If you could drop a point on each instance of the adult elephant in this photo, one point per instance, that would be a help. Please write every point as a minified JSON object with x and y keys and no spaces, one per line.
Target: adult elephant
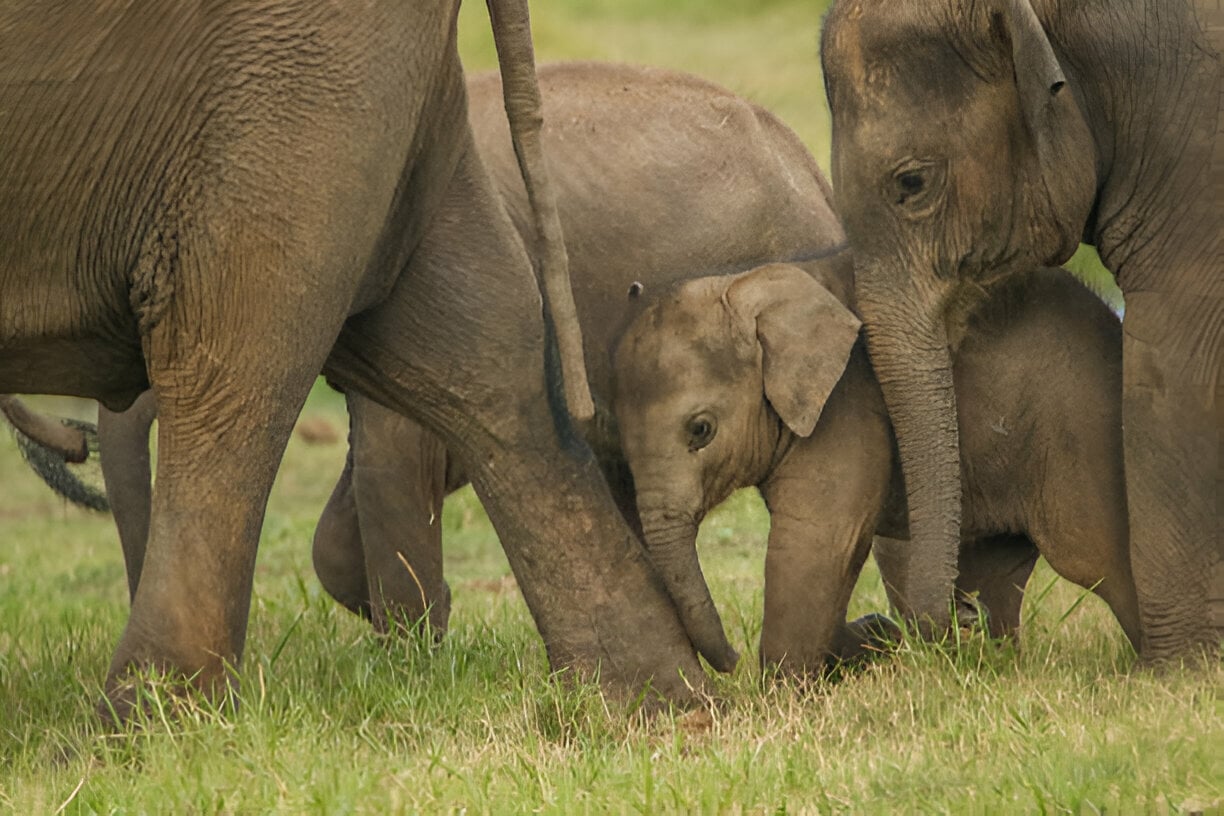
{"x":217,"y":201}
{"x":661,"y":177}
{"x":974,"y":139}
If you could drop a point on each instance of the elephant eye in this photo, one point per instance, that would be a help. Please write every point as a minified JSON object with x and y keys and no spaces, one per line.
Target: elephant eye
{"x":915,"y":186}
{"x":700,"y":430}
{"x":911,"y":183}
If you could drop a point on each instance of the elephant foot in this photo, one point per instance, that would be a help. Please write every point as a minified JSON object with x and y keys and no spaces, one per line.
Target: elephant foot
{"x":142,"y":694}
{"x":862,"y":640}
{"x":1206,"y":656}
{"x":412,"y":620}
{"x":971,"y":614}
{"x":856,"y":645}
{"x":648,"y":681}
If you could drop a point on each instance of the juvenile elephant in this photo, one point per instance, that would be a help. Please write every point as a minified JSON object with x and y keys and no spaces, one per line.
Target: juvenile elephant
{"x":760,"y":379}
{"x":660,"y":177}
{"x":1032,"y":125}
{"x":217,"y":201}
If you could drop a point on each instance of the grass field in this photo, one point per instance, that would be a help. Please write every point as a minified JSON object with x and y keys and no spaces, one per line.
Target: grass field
{"x":336,"y":720}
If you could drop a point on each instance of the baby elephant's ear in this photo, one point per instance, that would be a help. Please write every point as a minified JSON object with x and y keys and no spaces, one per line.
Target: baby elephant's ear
{"x":806,"y":336}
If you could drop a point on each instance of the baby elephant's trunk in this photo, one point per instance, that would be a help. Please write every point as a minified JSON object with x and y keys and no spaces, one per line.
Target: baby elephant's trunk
{"x":672,"y":545}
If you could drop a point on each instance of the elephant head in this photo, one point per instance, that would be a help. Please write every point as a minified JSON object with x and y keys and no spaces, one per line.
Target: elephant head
{"x":959,"y":154}
{"x":712,"y":382}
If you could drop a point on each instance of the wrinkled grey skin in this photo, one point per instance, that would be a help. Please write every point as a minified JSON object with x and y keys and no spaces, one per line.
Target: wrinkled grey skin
{"x":1028,"y":128}
{"x":660,"y":177}
{"x":759,"y":379}
{"x":218,"y":202}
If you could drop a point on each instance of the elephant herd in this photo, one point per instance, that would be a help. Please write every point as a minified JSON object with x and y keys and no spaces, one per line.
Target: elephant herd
{"x":202,"y":209}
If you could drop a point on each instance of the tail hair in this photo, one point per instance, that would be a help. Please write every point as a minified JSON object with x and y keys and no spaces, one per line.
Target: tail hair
{"x":65,"y":479}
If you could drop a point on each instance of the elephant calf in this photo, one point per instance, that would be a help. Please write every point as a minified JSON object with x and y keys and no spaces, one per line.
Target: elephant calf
{"x":760,"y":379}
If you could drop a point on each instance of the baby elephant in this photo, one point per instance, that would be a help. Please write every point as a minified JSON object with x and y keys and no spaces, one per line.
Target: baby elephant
{"x":760,"y":379}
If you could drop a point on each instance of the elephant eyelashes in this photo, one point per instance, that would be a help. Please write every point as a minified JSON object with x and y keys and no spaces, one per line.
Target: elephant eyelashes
{"x":700,"y":430}
{"x":915,"y":185}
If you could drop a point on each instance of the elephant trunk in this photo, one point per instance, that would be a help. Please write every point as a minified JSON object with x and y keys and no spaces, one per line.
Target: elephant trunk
{"x":672,"y":545}
{"x":914,"y":367}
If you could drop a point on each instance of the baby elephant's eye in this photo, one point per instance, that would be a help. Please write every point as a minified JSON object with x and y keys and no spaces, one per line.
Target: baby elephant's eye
{"x":700,"y":429}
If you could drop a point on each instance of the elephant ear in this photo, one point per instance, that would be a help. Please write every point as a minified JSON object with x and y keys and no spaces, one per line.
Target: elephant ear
{"x":1059,"y":134}
{"x":805,"y":333}
{"x":1039,"y":77}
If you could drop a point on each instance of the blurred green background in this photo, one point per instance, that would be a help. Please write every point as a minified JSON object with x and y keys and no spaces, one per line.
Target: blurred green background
{"x":765,"y":50}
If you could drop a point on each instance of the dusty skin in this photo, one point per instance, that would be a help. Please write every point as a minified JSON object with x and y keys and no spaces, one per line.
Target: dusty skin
{"x":187,"y":277}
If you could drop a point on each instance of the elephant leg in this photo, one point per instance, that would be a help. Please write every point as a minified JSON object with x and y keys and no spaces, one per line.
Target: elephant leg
{"x":824,"y":504}
{"x":123,"y":444}
{"x":230,"y":375}
{"x":996,"y":569}
{"x":339,"y":561}
{"x":460,"y":345}
{"x":1094,"y":554}
{"x":1173,"y":418}
{"x":810,"y":570}
{"x":399,"y":480}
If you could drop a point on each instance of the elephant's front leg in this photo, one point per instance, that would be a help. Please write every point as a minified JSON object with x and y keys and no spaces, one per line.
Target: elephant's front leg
{"x":824,"y":502}
{"x":460,"y":344}
{"x":810,"y":570}
{"x":1173,"y":433}
{"x":399,"y":481}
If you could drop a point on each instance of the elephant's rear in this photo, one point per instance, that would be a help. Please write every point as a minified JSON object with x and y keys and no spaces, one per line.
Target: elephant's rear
{"x":144,"y":143}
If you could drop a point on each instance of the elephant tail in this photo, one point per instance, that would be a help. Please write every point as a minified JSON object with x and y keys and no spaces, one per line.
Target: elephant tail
{"x":78,"y":483}
{"x":521,"y":93}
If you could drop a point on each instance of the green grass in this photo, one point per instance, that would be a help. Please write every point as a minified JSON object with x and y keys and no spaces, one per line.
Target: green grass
{"x":336,"y":720}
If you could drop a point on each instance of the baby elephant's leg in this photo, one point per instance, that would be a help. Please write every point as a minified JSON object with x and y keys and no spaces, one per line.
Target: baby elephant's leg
{"x":399,"y":481}
{"x":339,"y":561}
{"x":996,"y":569}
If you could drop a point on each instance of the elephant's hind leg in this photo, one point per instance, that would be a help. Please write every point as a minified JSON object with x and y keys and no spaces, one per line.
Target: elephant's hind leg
{"x":336,"y":550}
{"x":230,"y":370}
{"x":1173,"y":438}
{"x":399,"y":481}
{"x":996,"y":569}
{"x":1096,"y":557}
{"x":123,"y":444}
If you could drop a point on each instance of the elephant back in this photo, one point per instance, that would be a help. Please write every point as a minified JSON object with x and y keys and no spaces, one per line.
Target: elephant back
{"x":661,"y":177}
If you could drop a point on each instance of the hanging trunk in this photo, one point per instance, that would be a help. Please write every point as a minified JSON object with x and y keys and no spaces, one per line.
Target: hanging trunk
{"x":672,"y":545}
{"x":914,"y":367}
